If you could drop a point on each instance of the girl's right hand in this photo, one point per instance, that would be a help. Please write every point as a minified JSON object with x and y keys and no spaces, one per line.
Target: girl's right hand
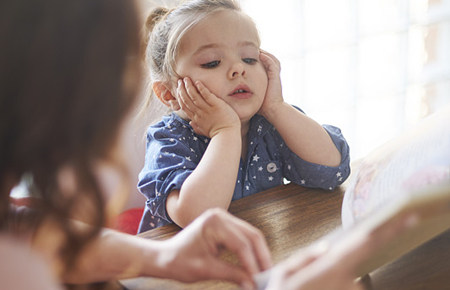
{"x":209,"y":114}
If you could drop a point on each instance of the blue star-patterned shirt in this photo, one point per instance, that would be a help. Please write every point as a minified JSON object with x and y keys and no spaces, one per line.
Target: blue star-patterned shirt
{"x":174,"y":150}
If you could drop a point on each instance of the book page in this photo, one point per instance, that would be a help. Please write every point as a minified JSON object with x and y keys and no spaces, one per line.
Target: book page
{"x":415,"y":160}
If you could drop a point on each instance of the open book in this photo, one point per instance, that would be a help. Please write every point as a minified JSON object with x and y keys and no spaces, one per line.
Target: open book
{"x":410,"y":174}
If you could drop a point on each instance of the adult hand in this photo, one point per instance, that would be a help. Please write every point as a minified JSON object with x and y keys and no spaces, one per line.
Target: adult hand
{"x":194,"y":253}
{"x":208,"y":113}
{"x":336,"y":267}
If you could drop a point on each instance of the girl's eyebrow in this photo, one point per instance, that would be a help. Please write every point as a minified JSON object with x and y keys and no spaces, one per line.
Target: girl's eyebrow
{"x":205,"y":47}
{"x":218,"y":45}
{"x":248,"y":43}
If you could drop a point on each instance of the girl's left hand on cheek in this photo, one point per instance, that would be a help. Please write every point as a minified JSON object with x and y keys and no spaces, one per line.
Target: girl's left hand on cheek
{"x":274,"y":95}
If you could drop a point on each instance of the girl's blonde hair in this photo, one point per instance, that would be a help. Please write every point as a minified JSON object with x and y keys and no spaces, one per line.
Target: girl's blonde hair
{"x":164,"y":28}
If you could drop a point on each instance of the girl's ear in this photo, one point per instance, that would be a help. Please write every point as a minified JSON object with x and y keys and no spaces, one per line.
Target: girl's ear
{"x":164,"y":94}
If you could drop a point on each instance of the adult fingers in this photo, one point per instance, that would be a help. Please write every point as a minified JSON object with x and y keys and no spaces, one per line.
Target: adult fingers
{"x":320,"y":274}
{"x":249,"y":244}
{"x":258,"y":247}
{"x":221,"y":270}
{"x":341,"y":261}
{"x":291,"y":274}
{"x":300,"y":259}
{"x":257,"y":241}
{"x":236,"y":242}
{"x":362,"y":244}
{"x":241,"y":238}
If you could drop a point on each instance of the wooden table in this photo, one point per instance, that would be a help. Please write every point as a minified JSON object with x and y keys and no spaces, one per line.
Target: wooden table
{"x":291,"y":217}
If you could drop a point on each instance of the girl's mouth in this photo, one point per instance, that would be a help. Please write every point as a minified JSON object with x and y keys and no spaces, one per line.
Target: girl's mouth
{"x":241,"y":92}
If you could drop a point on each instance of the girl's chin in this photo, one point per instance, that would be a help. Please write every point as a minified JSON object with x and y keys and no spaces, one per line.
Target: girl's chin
{"x":246,"y":117}
{"x":182,"y":115}
{"x":246,"y":114}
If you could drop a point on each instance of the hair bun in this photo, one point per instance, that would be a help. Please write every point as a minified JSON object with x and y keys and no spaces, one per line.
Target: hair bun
{"x":154,"y":17}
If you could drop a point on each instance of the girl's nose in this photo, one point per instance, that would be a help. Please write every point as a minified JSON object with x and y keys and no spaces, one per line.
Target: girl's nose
{"x":236,"y":70}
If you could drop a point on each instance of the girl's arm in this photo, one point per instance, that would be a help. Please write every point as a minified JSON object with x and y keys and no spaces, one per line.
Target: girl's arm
{"x":212,"y":182}
{"x":312,"y":142}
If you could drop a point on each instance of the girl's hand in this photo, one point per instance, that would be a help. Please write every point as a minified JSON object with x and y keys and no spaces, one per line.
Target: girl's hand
{"x":208,"y":113}
{"x":194,"y":254}
{"x":274,"y":96}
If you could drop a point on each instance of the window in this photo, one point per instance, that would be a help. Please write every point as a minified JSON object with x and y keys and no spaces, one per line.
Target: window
{"x":372,"y":68}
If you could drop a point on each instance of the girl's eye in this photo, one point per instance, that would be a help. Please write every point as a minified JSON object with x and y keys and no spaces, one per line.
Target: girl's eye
{"x":211,"y":64}
{"x":249,"y":60}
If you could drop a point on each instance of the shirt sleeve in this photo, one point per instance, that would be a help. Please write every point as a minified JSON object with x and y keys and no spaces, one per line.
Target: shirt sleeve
{"x":168,"y":162}
{"x":315,"y":175}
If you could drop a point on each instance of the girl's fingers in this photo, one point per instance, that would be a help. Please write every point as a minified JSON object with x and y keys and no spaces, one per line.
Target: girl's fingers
{"x":271,"y":66}
{"x":267,"y":53}
{"x":207,"y":95}
{"x":185,"y":102}
{"x":265,"y":60}
{"x":196,"y":97}
{"x":269,"y":58}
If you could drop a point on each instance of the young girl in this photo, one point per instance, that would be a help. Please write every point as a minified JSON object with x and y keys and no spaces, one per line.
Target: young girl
{"x":231,"y":133}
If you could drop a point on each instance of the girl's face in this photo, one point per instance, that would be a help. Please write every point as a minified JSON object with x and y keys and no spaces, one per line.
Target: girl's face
{"x":222,"y":51}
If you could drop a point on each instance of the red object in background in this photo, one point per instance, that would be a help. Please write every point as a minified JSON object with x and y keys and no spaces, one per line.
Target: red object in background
{"x":24,"y":201}
{"x":128,"y":221}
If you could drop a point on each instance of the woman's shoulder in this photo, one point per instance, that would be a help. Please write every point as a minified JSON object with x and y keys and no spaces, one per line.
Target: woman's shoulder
{"x":22,"y":268}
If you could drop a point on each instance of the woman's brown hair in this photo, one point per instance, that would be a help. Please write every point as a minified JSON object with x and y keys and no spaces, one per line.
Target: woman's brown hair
{"x":67,"y":79}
